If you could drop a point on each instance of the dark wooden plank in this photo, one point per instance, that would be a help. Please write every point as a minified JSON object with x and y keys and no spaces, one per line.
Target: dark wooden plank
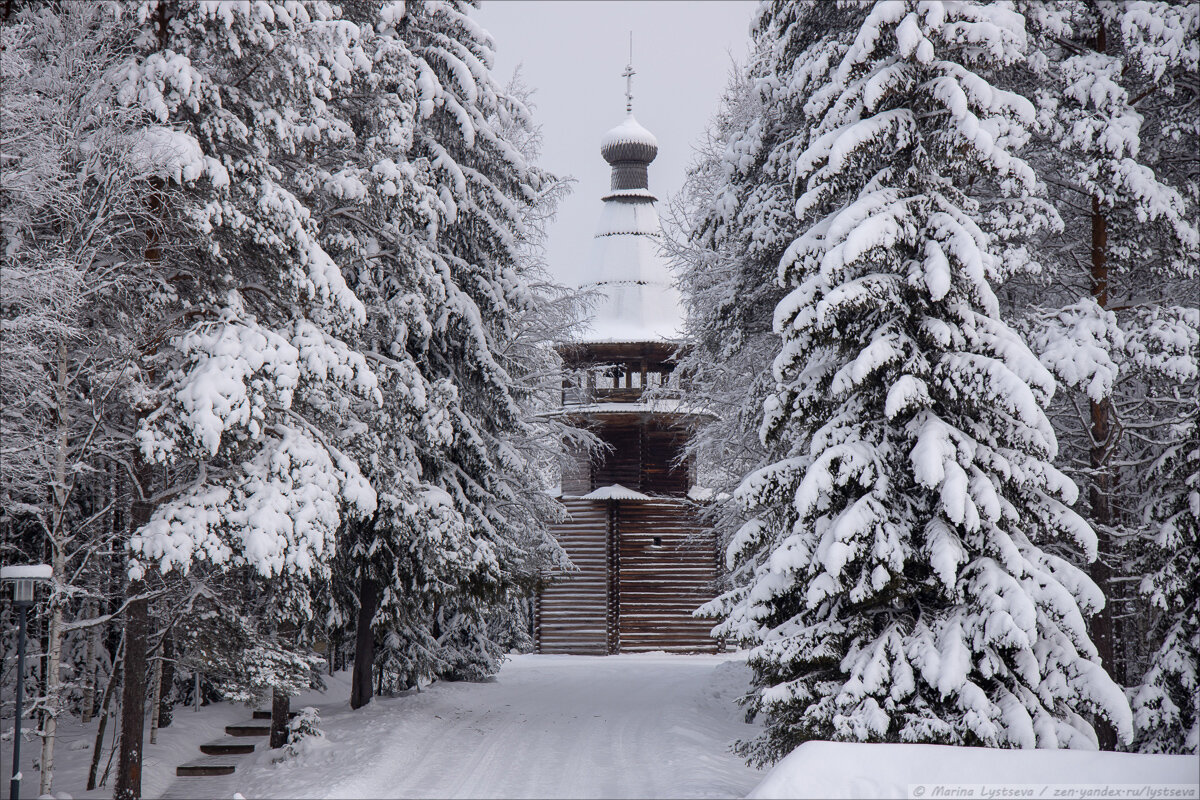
{"x":572,"y":611}
{"x":663,"y":583}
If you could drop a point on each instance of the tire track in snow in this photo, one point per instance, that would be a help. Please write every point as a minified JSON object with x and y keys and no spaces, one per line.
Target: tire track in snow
{"x":650,"y":725}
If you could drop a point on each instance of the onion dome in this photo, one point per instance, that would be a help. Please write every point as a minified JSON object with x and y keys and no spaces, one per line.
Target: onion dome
{"x":629,"y":148}
{"x":629,"y":141}
{"x":636,"y":300}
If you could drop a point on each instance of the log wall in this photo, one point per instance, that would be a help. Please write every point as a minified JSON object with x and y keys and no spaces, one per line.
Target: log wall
{"x":573,"y":614}
{"x":576,"y":479}
{"x":644,"y":568}
{"x":623,"y":463}
{"x":667,"y":570}
{"x":661,"y":472}
{"x":643,"y":457}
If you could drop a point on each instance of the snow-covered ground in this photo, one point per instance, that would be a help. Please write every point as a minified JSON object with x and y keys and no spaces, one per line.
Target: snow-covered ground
{"x":73,"y":754}
{"x":652,"y":725}
{"x":841,"y":770}
{"x":649,"y":725}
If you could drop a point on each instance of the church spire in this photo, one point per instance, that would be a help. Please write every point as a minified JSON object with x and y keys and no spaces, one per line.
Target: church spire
{"x":637,"y":300}
{"x":629,"y":147}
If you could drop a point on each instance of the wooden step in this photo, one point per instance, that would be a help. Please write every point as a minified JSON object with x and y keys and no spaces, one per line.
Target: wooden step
{"x":227,"y":746}
{"x":208,"y":765}
{"x":267,"y":714}
{"x":248,"y":729}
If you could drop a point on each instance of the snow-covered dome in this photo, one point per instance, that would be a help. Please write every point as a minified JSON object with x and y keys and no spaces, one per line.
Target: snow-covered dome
{"x":629,"y":141}
{"x":637,"y":299}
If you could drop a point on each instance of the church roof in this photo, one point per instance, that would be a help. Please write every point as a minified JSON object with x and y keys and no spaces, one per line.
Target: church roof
{"x":635,"y":299}
{"x":615,"y":492}
{"x":629,"y":141}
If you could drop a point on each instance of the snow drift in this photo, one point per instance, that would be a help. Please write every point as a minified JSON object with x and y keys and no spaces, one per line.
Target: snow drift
{"x":838,"y":769}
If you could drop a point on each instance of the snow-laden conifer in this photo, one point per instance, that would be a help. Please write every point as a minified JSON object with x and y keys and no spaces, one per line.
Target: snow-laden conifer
{"x":727,"y":232}
{"x":255,"y":309}
{"x":1165,"y":704}
{"x":1115,"y":147}
{"x":911,"y":583}
{"x":428,"y":201}
{"x":247,"y":357}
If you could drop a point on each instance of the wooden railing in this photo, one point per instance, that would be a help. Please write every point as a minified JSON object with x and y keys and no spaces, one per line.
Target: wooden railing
{"x":575,"y":396}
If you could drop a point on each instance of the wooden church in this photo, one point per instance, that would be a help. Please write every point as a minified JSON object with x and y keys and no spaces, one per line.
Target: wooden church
{"x":644,"y":564}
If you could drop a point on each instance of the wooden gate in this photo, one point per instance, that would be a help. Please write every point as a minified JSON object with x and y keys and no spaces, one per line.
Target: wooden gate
{"x":668,"y":568}
{"x":643,"y":568}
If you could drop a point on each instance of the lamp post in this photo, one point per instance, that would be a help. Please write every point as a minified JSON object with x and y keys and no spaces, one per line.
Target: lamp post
{"x":23,"y":579}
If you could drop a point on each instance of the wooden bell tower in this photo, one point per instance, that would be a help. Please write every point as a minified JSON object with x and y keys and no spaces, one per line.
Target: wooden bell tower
{"x":644,"y":564}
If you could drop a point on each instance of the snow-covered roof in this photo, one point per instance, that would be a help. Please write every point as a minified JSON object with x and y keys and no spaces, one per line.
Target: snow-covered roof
{"x":615,"y":492}
{"x":629,"y":311}
{"x":628,"y":132}
{"x":631,"y":218}
{"x":41,"y":572}
{"x":652,"y":407}
{"x":637,"y":300}
{"x":618,"y":194}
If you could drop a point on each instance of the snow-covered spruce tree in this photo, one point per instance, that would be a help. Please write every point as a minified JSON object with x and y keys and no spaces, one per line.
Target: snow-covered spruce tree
{"x":912,"y":584}
{"x":1116,"y":148}
{"x":427,"y":202}
{"x":727,"y":231}
{"x":481,"y":344}
{"x":223,"y":634}
{"x":245,"y":367}
{"x":1165,"y":705}
{"x":256,"y":371}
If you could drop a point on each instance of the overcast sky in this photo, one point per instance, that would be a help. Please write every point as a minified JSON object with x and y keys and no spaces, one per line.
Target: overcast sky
{"x":572,"y":53}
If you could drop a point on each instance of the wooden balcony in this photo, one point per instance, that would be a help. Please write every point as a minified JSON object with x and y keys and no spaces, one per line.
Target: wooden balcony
{"x":577,"y":396}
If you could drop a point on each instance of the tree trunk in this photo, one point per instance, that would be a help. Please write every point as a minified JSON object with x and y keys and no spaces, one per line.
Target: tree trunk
{"x":54,"y":634}
{"x":113,"y":679}
{"x":89,"y":668}
{"x":167,"y":684}
{"x":137,"y":613}
{"x":97,"y":748}
{"x":155,"y":697}
{"x":133,"y":696}
{"x":281,"y":702}
{"x":109,"y":690}
{"x":53,"y":687}
{"x":364,"y":649}
{"x":1099,"y":493}
{"x":280,"y":707}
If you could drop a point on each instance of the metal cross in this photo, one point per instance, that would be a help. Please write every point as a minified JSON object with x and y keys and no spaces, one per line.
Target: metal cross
{"x":628,"y":75}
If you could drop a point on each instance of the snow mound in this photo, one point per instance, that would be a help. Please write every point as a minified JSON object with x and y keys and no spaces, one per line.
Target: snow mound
{"x":838,"y":769}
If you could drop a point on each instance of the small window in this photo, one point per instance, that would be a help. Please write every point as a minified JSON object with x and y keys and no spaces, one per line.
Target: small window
{"x":658,"y":541}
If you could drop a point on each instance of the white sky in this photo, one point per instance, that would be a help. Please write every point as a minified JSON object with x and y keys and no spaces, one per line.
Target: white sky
{"x":572,"y":53}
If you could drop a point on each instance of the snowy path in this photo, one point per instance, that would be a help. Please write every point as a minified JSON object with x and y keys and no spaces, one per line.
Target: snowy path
{"x":547,"y":726}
